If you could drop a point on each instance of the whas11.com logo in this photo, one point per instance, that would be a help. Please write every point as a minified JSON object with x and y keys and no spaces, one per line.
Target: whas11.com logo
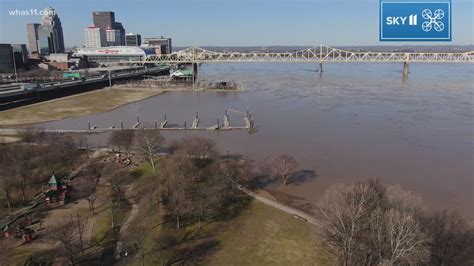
{"x":415,"y":21}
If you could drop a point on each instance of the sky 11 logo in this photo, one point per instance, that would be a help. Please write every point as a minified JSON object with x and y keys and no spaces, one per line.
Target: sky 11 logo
{"x":415,"y":21}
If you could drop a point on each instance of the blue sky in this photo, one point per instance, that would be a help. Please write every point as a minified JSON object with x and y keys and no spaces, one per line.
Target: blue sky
{"x":228,"y":22}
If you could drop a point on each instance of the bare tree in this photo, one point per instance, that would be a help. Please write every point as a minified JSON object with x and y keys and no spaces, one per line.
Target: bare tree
{"x":31,"y":135}
{"x":283,"y":166}
{"x":20,"y":163}
{"x":123,"y":139}
{"x":7,"y":181}
{"x":86,"y":187}
{"x":196,"y":147}
{"x":236,"y":170}
{"x":7,"y":185}
{"x":344,"y":212}
{"x":453,"y":238}
{"x":148,"y":144}
{"x":367,"y":224}
{"x":116,"y":182}
{"x":65,"y":233}
{"x":80,"y":223}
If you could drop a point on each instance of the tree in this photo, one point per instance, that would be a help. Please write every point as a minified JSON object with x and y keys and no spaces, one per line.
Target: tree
{"x":80,"y":223}
{"x":196,"y":147}
{"x":58,"y":154}
{"x":65,"y":233}
{"x":30,"y":135}
{"x":20,"y":163}
{"x":123,"y":139}
{"x":148,"y":144}
{"x":116,"y":182}
{"x":283,"y":166}
{"x":453,"y":238}
{"x":407,"y":241}
{"x":368,"y":224}
{"x":344,"y":212}
{"x":86,"y":187}
{"x":236,"y":170}
{"x":7,"y":185}
{"x":7,"y":180}
{"x":176,"y":196}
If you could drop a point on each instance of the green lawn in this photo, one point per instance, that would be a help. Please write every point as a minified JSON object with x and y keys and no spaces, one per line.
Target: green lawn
{"x":262,"y":235}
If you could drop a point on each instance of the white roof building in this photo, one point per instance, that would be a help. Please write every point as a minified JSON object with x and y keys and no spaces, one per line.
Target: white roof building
{"x":115,"y":53}
{"x":95,"y":37}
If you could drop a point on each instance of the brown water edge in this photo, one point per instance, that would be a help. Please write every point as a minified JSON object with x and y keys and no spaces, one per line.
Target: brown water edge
{"x":347,"y":126}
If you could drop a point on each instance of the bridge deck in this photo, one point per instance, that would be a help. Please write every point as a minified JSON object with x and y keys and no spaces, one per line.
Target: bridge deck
{"x":316,"y":54}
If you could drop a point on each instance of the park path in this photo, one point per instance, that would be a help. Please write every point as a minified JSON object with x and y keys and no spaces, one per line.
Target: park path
{"x":131,"y":217}
{"x":290,"y":210}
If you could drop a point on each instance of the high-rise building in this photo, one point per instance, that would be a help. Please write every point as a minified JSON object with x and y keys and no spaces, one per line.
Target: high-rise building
{"x":105,"y":20}
{"x":48,"y":35}
{"x":32,"y":33}
{"x":6,"y":57}
{"x":95,"y":37}
{"x":132,"y":39}
{"x":161,"y":44}
{"x":114,"y":37}
{"x":21,"y":55}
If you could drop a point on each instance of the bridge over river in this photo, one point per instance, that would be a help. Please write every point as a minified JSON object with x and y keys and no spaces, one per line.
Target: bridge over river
{"x":319,"y":54}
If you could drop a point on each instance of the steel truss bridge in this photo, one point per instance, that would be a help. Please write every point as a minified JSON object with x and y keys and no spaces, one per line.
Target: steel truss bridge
{"x":317,"y":54}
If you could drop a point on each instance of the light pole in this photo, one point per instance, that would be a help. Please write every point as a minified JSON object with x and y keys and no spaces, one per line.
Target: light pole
{"x":14,"y":64}
{"x":110,"y":80}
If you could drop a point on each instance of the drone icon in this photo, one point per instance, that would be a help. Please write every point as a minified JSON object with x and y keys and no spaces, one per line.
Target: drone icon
{"x":432,"y":21}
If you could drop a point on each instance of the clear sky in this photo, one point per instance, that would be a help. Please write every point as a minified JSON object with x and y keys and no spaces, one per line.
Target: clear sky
{"x":228,"y":22}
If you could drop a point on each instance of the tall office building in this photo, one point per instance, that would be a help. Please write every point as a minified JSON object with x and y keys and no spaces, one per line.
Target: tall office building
{"x":95,"y":37}
{"x":47,"y":37}
{"x":106,"y":20}
{"x":132,"y":39}
{"x":32,"y":33}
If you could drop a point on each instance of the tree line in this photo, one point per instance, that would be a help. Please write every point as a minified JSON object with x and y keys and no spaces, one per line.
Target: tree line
{"x":369,"y":224}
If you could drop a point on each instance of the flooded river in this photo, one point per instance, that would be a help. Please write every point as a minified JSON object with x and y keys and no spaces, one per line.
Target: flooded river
{"x":357,"y":121}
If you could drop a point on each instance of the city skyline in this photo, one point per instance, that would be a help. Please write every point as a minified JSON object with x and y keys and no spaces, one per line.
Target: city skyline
{"x":232,"y":23}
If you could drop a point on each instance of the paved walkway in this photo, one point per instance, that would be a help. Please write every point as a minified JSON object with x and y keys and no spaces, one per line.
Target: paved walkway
{"x":295,"y":212}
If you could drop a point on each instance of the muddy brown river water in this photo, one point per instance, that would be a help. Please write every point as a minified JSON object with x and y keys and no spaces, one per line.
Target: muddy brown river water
{"x":357,"y":121}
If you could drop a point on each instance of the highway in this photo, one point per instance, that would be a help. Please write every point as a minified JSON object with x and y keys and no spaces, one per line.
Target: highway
{"x":21,"y":91}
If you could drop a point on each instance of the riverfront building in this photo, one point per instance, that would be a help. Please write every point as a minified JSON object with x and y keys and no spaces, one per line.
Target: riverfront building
{"x":95,"y":37}
{"x":47,"y":37}
{"x":161,"y":44}
{"x":133,"y":39}
{"x":115,"y":53}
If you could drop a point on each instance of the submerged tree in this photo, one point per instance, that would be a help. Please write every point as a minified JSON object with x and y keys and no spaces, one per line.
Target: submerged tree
{"x":282,"y":166}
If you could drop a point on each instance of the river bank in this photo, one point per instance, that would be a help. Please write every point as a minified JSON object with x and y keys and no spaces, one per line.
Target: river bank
{"x":89,"y":103}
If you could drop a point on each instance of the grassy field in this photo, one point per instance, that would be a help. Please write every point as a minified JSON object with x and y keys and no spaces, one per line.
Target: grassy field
{"x":262,"y":235}
{"x":81,"y":104}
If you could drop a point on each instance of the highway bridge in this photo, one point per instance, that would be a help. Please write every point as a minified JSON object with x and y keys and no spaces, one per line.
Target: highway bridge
{"x":318,"y":54}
